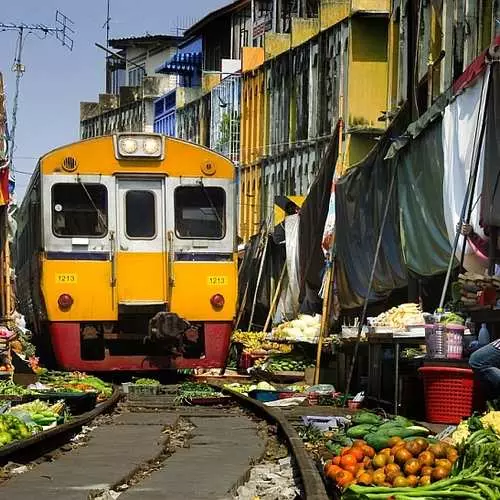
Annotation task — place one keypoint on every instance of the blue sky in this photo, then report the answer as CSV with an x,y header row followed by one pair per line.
x,y
56,80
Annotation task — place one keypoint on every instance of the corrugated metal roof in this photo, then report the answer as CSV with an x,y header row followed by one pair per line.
x,y
212,16
121,43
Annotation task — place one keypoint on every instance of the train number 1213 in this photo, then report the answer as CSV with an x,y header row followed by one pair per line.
x,y
217,280
66,278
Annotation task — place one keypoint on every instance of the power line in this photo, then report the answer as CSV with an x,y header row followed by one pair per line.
x,y
62,30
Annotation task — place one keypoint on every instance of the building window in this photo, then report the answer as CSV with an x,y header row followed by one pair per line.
x,y
80,209
136,75
117,80
200,212
140,214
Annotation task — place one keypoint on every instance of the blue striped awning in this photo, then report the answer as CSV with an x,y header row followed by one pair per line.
x,y
182,62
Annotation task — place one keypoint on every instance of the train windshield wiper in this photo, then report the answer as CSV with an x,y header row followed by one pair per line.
x,y
212,206
94,206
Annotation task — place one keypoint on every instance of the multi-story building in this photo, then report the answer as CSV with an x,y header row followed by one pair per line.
x,y
132,86
208,65
324,62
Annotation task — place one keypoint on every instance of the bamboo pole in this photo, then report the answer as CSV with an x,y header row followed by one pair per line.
x,y
325,313
259,278
324,319
276,297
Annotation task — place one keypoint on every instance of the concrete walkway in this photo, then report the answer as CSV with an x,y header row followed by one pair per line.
x,y
219,454
112,452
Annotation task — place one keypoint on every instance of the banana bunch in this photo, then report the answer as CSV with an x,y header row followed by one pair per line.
x,y
400,317
275,346
248,339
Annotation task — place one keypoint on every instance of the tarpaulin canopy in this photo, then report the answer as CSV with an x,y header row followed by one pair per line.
x,y
425,242
361,198
312,221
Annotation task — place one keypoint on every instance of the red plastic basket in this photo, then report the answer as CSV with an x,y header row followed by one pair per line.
x,y
448,393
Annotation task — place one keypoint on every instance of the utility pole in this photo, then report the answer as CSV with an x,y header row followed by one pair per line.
x,y
62,30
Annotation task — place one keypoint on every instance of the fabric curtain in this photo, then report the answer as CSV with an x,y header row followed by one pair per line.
x,y
461,122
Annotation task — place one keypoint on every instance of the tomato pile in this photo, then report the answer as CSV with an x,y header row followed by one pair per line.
x,y
415,462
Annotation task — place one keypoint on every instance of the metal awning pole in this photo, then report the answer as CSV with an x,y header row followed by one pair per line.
x,y
370,285
469,193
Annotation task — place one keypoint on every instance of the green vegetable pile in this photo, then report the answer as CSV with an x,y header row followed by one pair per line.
x,y
285,363
475,476
451,318
8,388
376,431
146,381
193,390
12,428
41,413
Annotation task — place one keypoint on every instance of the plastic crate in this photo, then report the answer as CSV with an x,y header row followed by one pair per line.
x,y
264,396
448,393
77,403
139,391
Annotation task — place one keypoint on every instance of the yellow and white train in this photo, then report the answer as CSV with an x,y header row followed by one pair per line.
x,y
126,254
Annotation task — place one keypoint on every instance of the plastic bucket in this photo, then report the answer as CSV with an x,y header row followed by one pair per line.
x,y
448,393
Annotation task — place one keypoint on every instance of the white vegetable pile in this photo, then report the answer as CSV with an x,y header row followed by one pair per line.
x,y
400,317
305,328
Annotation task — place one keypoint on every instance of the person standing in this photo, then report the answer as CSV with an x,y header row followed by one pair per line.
x,y
485,362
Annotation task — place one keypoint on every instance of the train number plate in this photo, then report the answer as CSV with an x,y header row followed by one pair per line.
x,y
66,278
217,280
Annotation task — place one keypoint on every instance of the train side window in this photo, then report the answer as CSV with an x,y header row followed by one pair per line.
x,y
140,214
79,209
200,212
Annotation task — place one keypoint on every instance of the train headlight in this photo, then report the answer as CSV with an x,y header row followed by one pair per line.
x,y
65,301
136,145
127,146
217,301
152,145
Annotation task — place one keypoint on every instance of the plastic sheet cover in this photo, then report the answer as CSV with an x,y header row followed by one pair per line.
x,y
288,305
490,201
425,242
361,198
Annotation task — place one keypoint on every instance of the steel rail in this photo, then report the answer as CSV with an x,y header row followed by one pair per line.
x,y
314,487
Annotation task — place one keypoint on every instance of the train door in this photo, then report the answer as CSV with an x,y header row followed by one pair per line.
x,y
140,242
200,219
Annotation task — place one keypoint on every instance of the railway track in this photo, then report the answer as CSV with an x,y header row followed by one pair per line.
x,y
152,448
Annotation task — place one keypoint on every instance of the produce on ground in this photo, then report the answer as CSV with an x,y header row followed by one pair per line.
x,y
146,381
240,388
475,474
400,317
66,381
378,432
12,428
8,388
402,464
40,412
490,419
194,390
